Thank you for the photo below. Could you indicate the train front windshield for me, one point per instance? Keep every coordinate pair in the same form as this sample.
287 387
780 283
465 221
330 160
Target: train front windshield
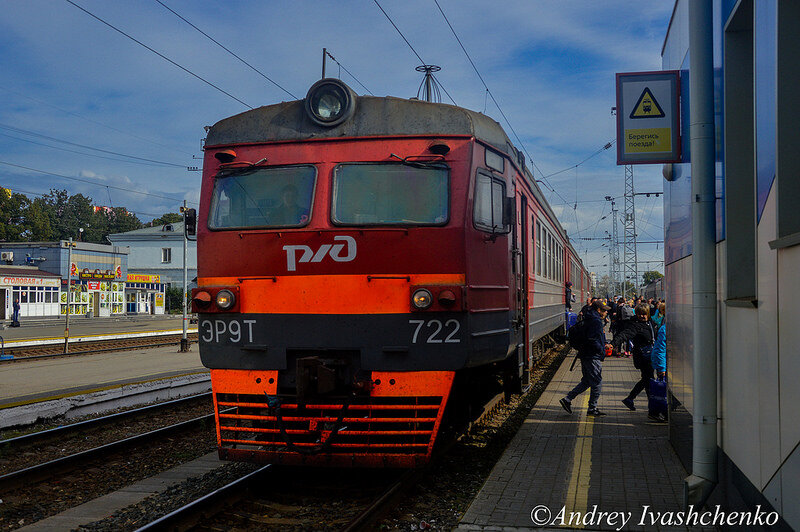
263 197
390 194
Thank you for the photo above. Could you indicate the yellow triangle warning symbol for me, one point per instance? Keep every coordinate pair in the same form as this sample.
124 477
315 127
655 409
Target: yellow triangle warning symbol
647 106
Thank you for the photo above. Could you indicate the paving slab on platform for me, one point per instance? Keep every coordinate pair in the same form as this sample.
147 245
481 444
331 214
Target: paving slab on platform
562 463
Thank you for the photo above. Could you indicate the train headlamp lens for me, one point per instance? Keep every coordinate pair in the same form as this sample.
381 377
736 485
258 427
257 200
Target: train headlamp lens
225 299
422 299
330 102
328 106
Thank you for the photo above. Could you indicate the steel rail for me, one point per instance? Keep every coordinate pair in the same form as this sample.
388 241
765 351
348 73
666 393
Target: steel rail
49 469
46 435
131 344
206 506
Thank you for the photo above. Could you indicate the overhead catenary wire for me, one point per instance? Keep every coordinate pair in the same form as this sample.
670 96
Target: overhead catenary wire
139 160
112 128
328 53
159 54
42 195
500 109
91 182
212 39
412 48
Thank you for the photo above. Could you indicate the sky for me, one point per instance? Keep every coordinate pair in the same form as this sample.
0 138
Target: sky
71 82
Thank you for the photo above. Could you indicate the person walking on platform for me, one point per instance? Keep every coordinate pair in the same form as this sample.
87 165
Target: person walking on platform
640 333
591 353
15 315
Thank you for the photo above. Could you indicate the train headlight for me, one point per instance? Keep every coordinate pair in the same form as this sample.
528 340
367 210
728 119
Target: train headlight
225 299
422 299
330 102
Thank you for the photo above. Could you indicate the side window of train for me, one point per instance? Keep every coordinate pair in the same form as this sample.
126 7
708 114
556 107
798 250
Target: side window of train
492 211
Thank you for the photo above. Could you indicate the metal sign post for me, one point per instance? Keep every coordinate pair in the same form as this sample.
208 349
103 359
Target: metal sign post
69 294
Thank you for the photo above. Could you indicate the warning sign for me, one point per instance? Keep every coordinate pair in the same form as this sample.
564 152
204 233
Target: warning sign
647 106
648 140
648 117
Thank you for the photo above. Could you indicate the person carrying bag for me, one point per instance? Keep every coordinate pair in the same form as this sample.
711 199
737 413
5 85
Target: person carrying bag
640 333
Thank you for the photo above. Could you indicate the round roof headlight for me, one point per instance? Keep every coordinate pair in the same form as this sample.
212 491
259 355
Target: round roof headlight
422 299
225 299
330 102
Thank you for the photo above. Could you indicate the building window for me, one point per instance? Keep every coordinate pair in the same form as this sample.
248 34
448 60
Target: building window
166 255
740 163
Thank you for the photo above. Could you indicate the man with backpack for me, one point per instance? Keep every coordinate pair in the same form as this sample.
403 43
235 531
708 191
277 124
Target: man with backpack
589 339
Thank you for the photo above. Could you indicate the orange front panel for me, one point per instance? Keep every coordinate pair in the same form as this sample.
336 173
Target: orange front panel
396 425
244 381
330 294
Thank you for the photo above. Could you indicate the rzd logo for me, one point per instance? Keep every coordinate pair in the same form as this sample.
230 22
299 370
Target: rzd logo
334 250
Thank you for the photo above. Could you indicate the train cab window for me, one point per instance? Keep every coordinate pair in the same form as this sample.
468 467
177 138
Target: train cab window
263 197
390 194
489 204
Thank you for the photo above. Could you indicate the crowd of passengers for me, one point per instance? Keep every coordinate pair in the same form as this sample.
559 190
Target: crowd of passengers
638 328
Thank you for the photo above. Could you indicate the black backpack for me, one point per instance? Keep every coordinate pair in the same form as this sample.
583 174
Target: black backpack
577 334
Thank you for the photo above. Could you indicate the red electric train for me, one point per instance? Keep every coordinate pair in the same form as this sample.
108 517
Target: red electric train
364 263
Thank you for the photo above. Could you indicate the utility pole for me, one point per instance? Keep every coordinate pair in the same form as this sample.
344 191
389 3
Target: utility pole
630 258
185 338
69 294
615 268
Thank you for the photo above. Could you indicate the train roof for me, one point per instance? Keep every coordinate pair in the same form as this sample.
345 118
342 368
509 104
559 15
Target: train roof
396 117
288 121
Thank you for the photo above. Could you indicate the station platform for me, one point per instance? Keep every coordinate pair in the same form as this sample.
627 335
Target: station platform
616 472
33 329
79 384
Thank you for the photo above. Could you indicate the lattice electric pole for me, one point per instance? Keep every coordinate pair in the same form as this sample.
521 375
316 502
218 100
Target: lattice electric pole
630 268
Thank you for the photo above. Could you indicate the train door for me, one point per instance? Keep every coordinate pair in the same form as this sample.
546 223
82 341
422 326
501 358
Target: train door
524 275
4 305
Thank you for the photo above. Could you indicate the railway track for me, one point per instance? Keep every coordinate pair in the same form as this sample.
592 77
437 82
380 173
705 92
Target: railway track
84 346
246 504
40 481
45 470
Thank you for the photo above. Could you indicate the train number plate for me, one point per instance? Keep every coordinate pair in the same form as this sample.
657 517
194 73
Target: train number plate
233 331
435 331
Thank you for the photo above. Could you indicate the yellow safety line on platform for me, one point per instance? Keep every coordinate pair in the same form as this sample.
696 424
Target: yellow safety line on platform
578 490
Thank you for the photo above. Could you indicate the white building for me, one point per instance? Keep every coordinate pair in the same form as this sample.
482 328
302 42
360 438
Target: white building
158 251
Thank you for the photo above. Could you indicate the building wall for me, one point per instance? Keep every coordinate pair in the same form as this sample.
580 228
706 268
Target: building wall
145 257
758 355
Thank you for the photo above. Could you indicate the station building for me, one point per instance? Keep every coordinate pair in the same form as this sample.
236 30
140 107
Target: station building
755 46
158 252
37 291
96 275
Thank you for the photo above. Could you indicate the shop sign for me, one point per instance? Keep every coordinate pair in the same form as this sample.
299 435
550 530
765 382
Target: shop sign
142 278
93 285
29 281
103 275
159 300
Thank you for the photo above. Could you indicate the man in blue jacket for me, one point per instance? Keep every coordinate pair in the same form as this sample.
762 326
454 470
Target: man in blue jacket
591 353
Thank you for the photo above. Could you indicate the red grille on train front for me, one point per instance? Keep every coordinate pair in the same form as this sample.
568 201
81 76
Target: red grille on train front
380 430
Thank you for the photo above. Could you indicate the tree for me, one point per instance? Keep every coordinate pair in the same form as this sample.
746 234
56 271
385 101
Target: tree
12 207
649 277
168 218
37 222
